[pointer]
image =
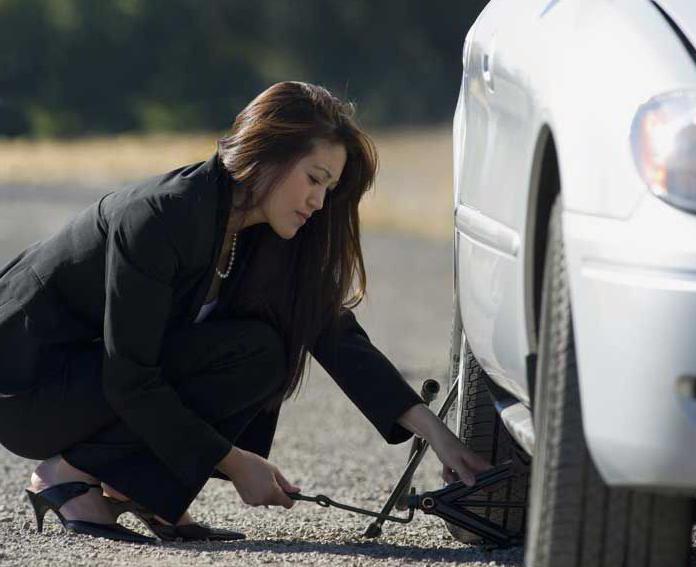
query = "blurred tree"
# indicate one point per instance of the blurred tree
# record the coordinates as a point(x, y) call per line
point(74, 67)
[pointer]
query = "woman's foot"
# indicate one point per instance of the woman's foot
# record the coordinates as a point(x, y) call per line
point(113, 493)
point(90, 506)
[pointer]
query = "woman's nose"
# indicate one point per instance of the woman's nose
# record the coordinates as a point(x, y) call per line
point(316, 199)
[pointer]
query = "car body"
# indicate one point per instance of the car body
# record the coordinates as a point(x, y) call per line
point(559, 97)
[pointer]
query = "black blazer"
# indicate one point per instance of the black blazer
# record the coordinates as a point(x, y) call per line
point(131, 267)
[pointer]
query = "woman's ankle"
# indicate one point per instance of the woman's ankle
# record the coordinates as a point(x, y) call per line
point(113, 493)
point(57, 469)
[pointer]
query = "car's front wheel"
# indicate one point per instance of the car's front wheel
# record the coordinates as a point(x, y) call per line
point(575, 519)
point(481, 430)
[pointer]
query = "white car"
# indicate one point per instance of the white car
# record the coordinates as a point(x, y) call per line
point(575, 272)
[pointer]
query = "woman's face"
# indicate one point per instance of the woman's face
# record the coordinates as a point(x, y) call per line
point(303, 190)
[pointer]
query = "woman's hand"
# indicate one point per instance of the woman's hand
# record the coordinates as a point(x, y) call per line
point(458, 461)
point(258, 482)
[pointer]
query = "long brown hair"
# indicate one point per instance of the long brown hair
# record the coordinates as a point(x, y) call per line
point(323, 265)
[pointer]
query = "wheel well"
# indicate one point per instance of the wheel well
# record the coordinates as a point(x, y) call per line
point(545, 185)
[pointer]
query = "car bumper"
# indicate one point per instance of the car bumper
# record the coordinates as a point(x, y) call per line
point(633, 294)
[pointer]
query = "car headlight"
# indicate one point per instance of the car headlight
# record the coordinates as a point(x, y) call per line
point(663, 139)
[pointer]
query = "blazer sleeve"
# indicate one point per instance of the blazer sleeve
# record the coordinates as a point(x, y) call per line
point(141, 261)
point(366, 376)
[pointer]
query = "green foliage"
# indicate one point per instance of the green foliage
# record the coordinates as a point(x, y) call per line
point(75, 67)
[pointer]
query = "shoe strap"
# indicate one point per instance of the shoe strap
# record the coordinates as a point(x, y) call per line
point(59, 494)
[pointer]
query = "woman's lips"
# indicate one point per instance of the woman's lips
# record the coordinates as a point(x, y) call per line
point(302, 216)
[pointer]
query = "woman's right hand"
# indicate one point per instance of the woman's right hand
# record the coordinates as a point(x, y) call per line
point(258, 482)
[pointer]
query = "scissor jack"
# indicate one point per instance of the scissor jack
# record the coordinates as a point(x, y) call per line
point(453, 503)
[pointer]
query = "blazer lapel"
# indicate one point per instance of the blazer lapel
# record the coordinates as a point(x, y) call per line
point(214, 175)
point(247, 244)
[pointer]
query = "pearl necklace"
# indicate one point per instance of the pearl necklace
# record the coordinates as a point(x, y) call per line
point(231, 260)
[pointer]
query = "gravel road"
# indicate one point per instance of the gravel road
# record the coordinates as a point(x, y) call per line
point(323, 443)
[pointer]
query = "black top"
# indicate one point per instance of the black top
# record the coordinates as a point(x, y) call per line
point(133, 266)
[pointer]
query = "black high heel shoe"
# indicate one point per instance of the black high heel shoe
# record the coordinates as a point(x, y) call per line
point(53, 497)
point(188, 532)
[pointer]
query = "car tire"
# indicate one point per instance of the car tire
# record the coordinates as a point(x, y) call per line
point(482, 431)
point(575, 519)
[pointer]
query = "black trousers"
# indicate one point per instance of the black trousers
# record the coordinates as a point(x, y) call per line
point(224, 370)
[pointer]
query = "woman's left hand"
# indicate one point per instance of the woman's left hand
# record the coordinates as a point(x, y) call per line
point(458, 461)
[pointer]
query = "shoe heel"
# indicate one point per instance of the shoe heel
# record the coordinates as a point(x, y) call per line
point(53, 497)
point(40, 507)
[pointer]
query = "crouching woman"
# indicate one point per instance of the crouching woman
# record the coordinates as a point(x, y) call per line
point(147, 346)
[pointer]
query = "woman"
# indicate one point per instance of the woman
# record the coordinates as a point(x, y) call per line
point(147, 346)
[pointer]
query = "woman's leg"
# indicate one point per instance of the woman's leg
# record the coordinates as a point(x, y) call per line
point(223, 370)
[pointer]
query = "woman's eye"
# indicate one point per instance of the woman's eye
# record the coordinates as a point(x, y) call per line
point(314, 180)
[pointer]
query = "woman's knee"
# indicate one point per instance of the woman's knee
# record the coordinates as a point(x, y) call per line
point(248, 353)
point(29, 443)
point(246, 367)
point(231, 343)
point(270, 354)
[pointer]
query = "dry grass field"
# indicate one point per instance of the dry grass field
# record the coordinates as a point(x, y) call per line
point(413, 192)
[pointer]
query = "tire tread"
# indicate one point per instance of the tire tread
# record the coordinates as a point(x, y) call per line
point(575, 519)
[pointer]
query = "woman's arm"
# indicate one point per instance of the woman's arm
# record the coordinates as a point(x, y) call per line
point(421, 421)
point(366, 376)
point(453, 454)
point(373, 383)
point(377, 388)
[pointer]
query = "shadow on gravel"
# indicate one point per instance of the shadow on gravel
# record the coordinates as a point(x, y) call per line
point(465, 554)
